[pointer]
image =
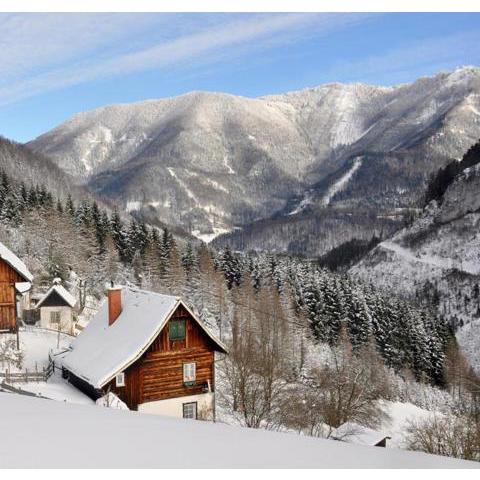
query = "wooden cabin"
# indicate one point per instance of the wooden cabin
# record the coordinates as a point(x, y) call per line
point(56, 309)
point(14, 282)
point(151, 351)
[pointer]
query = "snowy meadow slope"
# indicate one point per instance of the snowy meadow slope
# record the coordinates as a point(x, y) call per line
point(102, 438)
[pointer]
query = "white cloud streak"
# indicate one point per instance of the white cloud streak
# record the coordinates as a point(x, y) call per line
point(49, 52)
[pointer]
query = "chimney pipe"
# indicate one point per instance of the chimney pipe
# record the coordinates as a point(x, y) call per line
point(114, 303)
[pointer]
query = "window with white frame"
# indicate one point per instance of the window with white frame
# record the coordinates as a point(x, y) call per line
point(55, 316)
point(120, 379)
point(189, 373)
point(190, 410)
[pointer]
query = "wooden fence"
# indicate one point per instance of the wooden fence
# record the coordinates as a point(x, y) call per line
point(27, 376)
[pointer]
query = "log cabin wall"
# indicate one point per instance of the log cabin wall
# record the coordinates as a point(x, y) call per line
point(8, 305)
point(158, 374)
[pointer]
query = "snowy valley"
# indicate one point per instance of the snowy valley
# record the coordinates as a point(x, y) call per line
point(206, 218)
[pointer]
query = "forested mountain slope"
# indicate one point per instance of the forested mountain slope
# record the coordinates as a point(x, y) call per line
point(437, 258)
point(212, 162)
point(23, 165)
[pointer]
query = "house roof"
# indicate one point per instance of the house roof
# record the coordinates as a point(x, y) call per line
point(23, 287)
point(62, 292)
point(351, 432)
point(9, 257)
point(101, 351)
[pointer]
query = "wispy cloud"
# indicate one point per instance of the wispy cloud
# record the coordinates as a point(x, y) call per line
point(40, 53)
point(432, 54)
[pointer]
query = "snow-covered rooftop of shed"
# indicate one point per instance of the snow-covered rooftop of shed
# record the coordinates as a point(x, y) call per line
point(23, 287)
point(101, 351)
point(63, 292)
point(62, 435)
point(9, 257)
point(353, 433)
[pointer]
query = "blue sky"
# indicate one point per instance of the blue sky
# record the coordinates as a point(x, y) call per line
point(54, 65)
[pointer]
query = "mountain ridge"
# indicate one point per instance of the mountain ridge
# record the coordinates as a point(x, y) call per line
point(216, 162)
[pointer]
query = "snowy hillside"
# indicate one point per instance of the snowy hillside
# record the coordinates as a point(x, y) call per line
point(438, 257)
point(99, 437)
point(210, 162)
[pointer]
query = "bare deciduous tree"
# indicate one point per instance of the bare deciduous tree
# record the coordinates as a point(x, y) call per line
point(452, 436)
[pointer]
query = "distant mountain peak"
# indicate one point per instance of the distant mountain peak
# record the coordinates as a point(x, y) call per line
point(173, 158)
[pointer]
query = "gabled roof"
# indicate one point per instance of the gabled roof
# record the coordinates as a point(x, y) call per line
point(9, 257)
point(101, 351)
point(353, 433)
point(62, 292)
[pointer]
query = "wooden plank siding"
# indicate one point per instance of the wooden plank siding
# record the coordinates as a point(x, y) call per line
point(8, 305)
point(158, 373)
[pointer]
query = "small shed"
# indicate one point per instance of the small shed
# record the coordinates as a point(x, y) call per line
point(56, 309)
point(351, 432)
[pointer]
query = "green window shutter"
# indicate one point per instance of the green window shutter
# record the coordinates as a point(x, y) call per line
point(177, 329)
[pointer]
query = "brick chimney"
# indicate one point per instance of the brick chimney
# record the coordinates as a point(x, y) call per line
point(114, 303)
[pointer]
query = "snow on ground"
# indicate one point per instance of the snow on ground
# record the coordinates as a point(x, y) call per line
point(401, 414)
point(306, 200)
point(133, 205)
point(82, 436)
point(189, 193)
point(56, 388)
point(342, 182)
point(36, 343)
point(208, 237)
point(227, 165)
point(468, 337)
point(428, 259)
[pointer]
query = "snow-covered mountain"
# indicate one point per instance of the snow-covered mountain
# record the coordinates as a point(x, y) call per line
point(212, 162)
point(23, 165)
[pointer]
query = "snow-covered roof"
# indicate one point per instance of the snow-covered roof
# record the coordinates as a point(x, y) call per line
point(23, 287)
point(101, 351)
point(353, 433)
point(63, 292)
point(84, 436)
point(9, 257)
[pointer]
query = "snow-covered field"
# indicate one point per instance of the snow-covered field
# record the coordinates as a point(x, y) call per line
point(57, 389)
point(102, 437)
point(401, 414)
point(35, 344)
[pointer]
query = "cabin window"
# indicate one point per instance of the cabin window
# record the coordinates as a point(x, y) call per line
point(55, 317)
point(190, 410)
point(189, 373)
point(177, 330)
point(120, 379)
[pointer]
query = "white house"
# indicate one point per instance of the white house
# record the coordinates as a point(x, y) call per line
point(56, 309)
